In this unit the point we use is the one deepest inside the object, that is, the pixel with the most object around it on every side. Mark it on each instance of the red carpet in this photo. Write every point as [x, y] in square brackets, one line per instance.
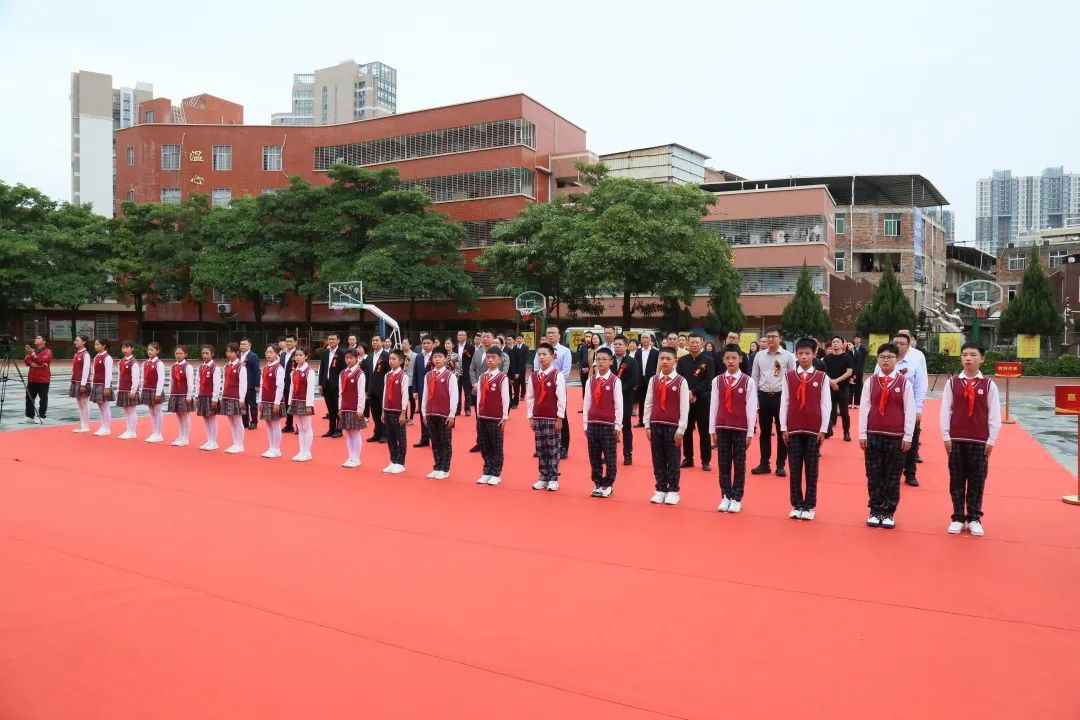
[143, 581]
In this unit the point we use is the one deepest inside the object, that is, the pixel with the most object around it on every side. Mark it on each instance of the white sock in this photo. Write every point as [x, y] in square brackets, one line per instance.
[211, 429]
[303, 427]
[106, 416]
[84, 411]
[184, 421]
[237, 423]
[157, 419]
[132, 418]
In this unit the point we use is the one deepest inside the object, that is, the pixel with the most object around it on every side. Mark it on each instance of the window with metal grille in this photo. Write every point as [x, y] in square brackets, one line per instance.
[170, 196]
[892, 224]
[222, 157]
[131, 195]
[107, 326]
[1057, 258]
[130, 155]
[841, 223]
[779, 279]
[271, 157]
[479, 232]
[219, 297]
[767, 231]
[170, 157]
[1017, 262]
[221, 197]
[502, 133]
[469, 186]
[34, 325]
[841, 261]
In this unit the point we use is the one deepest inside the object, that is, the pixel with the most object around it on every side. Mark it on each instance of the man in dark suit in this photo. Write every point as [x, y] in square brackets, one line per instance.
[286, 357]
[697, 368]
[465, 351]
[379, 361]
[858, 352]
[420, 370]
[629, 376]
[519, 356]
[254, 379]
[583, 358]
[646, 358]
[331, 360]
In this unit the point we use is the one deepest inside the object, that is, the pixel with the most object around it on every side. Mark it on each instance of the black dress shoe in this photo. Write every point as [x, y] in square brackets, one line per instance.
[564, 454]
[918, 459]
[828, 435]
[639, 425]
[252, 426]
[326, 416]
[847, 437]
[913, 482]
[761, 470]
[328, 433]
[628, 460]
[467, 413]
[422, 443]
[536, 455]
[474, 449]
[781, 472]
[373, 438]
[335, 434]
[706, 467]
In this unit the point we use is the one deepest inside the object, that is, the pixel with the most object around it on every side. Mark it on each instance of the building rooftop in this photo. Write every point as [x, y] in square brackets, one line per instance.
[653, 147]
[852, 189]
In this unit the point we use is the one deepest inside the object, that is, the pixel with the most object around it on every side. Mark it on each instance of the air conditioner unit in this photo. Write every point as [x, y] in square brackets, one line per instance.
[224, 308]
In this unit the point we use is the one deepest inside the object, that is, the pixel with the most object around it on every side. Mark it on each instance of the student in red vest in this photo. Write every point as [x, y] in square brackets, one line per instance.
[805, 410]
[667, 407]
[395, 410]
[152, 393]
[128, 377]
[101, 385]
[80, 382]
[492, 407]
[438, 407]
[302, 403]
[271, 391]
[603, 415]
[233, 392]
[183, 389]
[970, 424]
[351, 394]
[545, 407]
[732, 411]
[395, 405]
[209, 391]
[886, 423]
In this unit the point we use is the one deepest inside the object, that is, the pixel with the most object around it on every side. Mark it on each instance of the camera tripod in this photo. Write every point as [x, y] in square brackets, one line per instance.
[6, 363]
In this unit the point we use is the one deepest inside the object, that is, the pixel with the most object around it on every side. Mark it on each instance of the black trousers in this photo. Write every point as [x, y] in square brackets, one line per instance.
[804, 454]
[884, 463]
[665, 457]
[584, 377]
[465, 398]
[698, 419]
[39, 391]
[769, 417]
[396, 439]
[377, 416]
[331, 397]
[285, 401]
[910, 455]
[639, 398]
[602, 455]
[491, 446]
[517, 389]
[840, 407]
[968, 466]
[251, 407]
[564, 436]
[731, 451]
[442, 443]
[628, 426]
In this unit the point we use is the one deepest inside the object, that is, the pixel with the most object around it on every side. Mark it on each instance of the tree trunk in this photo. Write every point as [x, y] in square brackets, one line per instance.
[137, 301]
[258, 309]
[412, 313]
[307, 308]
[627, 306]
[74, 312]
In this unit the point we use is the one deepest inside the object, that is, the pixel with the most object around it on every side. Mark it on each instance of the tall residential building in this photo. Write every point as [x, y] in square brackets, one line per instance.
[341, 93]
[1009, 207]
[98, 109]
[947, 220]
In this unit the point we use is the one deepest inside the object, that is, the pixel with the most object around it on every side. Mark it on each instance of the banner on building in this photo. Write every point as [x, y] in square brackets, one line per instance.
[949, 343]
[530, 339]
[920, 267]
[1027, 346]
[876, 341]
[745, 339]
[60, 329]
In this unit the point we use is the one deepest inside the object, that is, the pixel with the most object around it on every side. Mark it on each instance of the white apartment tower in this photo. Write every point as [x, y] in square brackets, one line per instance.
[341, 93]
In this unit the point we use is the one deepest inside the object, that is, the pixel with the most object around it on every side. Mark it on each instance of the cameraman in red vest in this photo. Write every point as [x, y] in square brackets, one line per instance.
[38, 359]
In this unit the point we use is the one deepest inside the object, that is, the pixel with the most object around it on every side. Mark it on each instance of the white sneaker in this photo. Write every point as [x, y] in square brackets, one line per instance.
[102, 432]
[494, 480]
[873, 521]
[350, 464]
[179, 443]
[432, 475]
[397, 470]
[658, 498]
[975, 528]
[553, 485]
[888, 522]
[267, 454]
[81, 430]
[156, 439]
[442, 475]
[724, 506]
[808, 514]
[29, 421]
[125, 436]
[302, 457]
[540, 485]
[234, 449]
[210, 446]
[389, 468]
[606, 491]
[736, 506]
[672, 498]
[955, 527]
[483, 479]
[795, 514]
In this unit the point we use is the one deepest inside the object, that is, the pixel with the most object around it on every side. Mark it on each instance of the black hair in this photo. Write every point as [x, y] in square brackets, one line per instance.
[349, 352]
[400, 355]
[84, 338]
[694, 335]
[733, 348]
[181, 348]
[620, 336]
[604, 351]
[546, 346]
[128, 343]
[837, 337]
[903, 335]
[438, 350]
[207, 347]
[494, 351]
[888, 347]
[247, 340]
[234, 347]
[973, 346]
[104, 343]
[156, 345]
[807, 343]
[669, 351]
[773, 329]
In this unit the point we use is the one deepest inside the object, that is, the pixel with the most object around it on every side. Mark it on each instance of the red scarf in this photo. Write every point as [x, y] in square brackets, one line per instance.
[543, 387]
[885, 383]
[800, 392]
[431, 385]
[664, 381]
[728, 392]
[597, 390]
[969, 395]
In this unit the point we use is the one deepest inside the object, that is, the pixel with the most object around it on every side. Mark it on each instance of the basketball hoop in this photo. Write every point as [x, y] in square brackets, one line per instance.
[980, 308]
[530, 303]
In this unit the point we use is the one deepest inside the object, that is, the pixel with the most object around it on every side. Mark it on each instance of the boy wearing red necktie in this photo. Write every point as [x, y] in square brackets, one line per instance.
[805, 410]
[665, 414]
[886, 424]
[732, 412]
[545, 406]
[603, 413]
[970, 425]
[438, 405]
[492, 406]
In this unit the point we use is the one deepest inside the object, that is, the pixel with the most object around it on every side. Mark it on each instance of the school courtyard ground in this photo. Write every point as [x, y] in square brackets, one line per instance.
[147, 581]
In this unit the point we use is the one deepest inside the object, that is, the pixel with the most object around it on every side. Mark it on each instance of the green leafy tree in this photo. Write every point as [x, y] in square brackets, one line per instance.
[1033, 312]
[888, 309]
[725, 313]
[24, 212]
[804, 314]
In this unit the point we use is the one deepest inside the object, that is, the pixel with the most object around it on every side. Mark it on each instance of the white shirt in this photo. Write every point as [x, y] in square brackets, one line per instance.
[684, 400]
[84, 378]
[914, 370]
[764, 372]
[993, 399]
[618, 399]
[504, 391]
[825, 404]
[865, 406]
[717, 398]
[560, 391]
[433, 375]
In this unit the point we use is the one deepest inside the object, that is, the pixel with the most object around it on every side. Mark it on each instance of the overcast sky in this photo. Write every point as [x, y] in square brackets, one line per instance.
[951, 90]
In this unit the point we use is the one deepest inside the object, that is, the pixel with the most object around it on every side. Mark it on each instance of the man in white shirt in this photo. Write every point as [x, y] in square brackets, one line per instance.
[771, 365]
[912, 365]
[647, 358]
[917, 356]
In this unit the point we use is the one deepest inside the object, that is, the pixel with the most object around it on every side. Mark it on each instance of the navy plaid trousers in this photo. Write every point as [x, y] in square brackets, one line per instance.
[731, 451]
[602, 455]
[395, 437]
[442, 442]
[968, 466]
[804, 453]
[548, 446]
[490, 439]
[884, 464]
[665, 457]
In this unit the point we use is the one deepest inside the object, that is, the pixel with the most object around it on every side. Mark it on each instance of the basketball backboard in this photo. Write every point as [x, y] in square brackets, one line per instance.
[346, 295]
[980, 294]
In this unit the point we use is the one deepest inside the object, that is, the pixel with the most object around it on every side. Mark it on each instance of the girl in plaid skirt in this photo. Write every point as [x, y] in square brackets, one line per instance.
[101, 385]
[351, 390]
[80, 383]
[183, 390]
[302, 404]
[128, 380]
[270, 408]
[153, 391]
[209, 392]
[233, 390]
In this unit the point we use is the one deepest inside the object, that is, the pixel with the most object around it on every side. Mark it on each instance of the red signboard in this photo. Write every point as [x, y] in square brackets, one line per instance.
[1008, 369]
[1067, 399]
